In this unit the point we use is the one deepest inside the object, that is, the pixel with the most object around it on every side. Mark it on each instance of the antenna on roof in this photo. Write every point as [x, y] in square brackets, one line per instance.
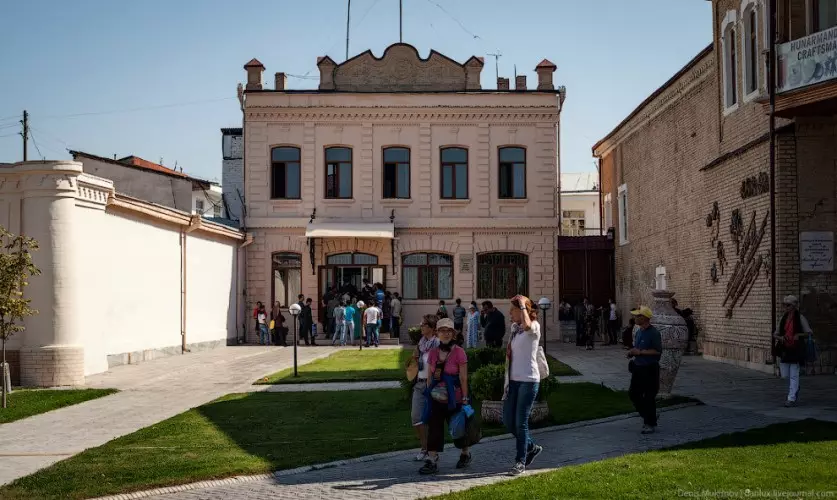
[496, 57]
[161, 160]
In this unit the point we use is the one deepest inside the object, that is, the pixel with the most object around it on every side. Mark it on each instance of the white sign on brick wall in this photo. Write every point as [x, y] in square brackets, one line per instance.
[816, 251]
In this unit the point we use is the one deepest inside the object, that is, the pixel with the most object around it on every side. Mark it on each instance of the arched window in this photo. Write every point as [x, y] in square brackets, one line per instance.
[502, 275]
[454, 174]
[512, 172]
[338, 175]
[287, 277]
[750, 43]
[730, 60]
[397, 173]
[427, 276]
[285, 173]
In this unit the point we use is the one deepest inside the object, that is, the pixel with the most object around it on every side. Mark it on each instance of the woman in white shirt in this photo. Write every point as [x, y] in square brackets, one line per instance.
[523, 379]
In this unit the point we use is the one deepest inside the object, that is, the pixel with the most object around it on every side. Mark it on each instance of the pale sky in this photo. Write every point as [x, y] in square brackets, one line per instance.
[157, 78]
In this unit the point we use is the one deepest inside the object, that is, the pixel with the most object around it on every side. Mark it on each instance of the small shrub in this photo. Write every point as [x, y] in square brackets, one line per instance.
[546, 387]
[415, 334]
[487, 383]
[484, 356]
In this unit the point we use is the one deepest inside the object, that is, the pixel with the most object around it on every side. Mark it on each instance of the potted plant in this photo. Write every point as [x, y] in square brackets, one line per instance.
[487, 385]
[415, 334]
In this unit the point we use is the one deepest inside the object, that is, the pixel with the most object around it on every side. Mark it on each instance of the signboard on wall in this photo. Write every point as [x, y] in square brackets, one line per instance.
[816, 251]
[807, 61]
[466, 264]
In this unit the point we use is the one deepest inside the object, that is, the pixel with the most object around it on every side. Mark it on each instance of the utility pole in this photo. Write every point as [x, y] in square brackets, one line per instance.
[25, 132]
[348, 17]
[496, 57]
[771, 90]
[401, 21]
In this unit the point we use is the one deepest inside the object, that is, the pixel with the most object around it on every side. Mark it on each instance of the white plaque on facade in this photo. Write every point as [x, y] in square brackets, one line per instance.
[816, 251]
[807, 61]
[466, 263]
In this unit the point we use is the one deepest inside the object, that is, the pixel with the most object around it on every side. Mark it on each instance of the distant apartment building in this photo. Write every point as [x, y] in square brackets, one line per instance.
[149, 181]
[580, 206]
[405, 171]
[232, 172]
[687, 184]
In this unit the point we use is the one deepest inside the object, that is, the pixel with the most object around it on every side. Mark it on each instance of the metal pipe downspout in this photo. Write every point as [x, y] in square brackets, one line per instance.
[601, 204]
[241, 276]
[183, 290]
[771, 77]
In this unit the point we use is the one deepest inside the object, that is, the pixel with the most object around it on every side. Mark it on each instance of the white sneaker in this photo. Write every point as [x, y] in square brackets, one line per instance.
[421, 457]
[518, 469]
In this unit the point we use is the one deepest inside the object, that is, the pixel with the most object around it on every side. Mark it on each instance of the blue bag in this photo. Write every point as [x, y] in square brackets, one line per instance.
[812, 351]
[457, 425]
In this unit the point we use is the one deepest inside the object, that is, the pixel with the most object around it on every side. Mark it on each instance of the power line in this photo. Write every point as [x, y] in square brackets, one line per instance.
[457, 21]
[48, 135]
[9, 135]
[131, 110]
[36, 144]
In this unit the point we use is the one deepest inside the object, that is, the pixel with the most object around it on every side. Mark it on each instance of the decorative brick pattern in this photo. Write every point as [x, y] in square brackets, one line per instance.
[52, 366]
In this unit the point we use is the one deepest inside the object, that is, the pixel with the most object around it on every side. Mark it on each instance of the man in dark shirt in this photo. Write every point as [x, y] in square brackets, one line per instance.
[645, 368]
[306, 321]
[493, 323]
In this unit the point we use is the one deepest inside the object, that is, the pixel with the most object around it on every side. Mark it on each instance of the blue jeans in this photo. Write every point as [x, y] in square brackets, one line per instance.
[264, 335]
[339, 333]
[516, 411]
[371, 334]
[349, 332]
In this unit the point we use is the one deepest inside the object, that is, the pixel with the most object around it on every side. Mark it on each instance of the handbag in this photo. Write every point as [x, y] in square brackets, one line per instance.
[272, 324]
[412, 369]
[543, 364]
[812, 350]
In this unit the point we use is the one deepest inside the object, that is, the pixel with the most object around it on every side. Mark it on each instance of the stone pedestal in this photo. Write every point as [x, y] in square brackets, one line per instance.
[675, 337]
[52, 365]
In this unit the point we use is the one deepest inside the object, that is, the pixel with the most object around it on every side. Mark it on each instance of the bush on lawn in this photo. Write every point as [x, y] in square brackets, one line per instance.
[488, 382]
[483, 356]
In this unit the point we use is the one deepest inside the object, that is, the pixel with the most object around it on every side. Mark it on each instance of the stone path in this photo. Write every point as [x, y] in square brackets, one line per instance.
[328, 386]
[150, 392]
[395, 476]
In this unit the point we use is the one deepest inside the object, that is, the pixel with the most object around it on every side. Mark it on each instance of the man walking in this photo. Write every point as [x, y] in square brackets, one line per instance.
[612, 324]
[645, 368]
[493, 323]
[395, 315]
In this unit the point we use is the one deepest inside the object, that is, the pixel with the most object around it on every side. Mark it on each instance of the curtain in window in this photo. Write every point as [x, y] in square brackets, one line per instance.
[409, 287]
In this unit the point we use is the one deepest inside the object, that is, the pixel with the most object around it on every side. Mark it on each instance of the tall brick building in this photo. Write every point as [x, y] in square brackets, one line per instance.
[686, 182]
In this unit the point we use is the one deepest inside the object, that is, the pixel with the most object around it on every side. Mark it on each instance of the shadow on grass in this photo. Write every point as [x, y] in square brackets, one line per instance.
[801, 431]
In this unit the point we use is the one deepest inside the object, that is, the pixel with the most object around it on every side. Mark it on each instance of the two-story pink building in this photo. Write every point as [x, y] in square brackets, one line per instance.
[405, 171]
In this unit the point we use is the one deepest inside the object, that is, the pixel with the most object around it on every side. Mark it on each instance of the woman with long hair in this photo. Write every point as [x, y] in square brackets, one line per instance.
[523, 379]
[426, 343]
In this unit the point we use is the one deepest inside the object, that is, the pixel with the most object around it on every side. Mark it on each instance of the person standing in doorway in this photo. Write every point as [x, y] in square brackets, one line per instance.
[645, 368]
[261, 319]
[459, 314]
[306, 322]
[493, 323]
[395, 315]
[278, 324]
[523, 380]
[790, 337]
[372, 317]
[349, 313]
[612, 324]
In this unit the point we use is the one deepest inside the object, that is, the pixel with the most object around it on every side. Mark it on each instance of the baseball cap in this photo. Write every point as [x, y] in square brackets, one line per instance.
[445, 323]
[643, 311]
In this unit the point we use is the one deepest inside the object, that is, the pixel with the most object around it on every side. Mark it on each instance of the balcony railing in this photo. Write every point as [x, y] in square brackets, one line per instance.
[807, 61]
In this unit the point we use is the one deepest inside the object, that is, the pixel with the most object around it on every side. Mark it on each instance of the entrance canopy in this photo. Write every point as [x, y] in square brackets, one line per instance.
[350, 230]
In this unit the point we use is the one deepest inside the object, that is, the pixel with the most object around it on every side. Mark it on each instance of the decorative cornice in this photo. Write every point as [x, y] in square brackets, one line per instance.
[689, 77]
[473, 117]
[434, 224]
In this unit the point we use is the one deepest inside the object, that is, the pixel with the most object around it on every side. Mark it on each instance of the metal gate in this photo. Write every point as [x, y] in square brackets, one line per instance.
[586, 269]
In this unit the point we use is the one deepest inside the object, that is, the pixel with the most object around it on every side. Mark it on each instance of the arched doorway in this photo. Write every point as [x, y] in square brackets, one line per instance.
[347, 271]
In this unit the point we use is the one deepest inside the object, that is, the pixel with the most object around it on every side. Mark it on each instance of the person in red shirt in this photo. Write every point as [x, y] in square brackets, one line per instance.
[790, 337]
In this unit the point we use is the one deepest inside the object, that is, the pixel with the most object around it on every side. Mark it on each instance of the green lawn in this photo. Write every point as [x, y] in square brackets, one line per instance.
[262, 432]
[347, 365]
[24, 403]
[775, 460]
[560, 369]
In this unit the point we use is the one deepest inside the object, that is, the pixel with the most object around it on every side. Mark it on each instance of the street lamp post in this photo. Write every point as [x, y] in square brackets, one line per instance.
[295, 310]
[544, 305]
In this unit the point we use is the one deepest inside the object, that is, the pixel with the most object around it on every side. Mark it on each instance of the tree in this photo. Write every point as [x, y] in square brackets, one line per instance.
[15, 269]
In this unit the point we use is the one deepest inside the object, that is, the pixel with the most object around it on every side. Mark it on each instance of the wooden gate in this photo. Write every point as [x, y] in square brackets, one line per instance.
[586, 269]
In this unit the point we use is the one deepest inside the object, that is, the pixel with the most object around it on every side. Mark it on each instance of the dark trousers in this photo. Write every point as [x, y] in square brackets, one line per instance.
[396, 327]
[494, 342]
[439, 416]
[645, 383]
[612, 331]
[580, 334]
[305, 332]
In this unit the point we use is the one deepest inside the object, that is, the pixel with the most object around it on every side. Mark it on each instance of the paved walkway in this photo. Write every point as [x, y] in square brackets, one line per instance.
[150, 392]
[716, 384]
[395, 476]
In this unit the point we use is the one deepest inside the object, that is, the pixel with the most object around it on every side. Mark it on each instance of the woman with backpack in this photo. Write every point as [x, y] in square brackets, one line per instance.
[523, 376]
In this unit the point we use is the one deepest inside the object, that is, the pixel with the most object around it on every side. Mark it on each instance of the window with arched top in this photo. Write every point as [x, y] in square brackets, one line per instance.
[730, 60]
[396, 173]
[338, 174]
[512, 172]
[285, 173]
[502, 275]
[427, 276]
[287, 277]
[454, 173]
[750, 45]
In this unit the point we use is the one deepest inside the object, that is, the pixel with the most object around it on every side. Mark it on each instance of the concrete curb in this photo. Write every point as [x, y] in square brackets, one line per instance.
[368, 458]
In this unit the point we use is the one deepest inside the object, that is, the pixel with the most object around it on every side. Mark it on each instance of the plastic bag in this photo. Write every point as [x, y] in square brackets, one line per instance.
[457, 424]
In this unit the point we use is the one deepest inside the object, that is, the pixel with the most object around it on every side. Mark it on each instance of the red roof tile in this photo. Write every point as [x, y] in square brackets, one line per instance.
[254, 63]
[139, 162]
[546, 63]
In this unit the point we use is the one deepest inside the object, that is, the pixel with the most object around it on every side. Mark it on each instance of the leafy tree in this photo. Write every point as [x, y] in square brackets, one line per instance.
[15, 269]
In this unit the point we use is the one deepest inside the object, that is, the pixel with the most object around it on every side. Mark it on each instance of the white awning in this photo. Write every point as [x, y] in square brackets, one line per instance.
[350, 230]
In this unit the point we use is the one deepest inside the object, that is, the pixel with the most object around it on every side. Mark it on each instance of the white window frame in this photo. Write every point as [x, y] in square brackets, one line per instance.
[730, 22]
[622, 198]
[746, 7]
[199, 206]
[608, 211]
